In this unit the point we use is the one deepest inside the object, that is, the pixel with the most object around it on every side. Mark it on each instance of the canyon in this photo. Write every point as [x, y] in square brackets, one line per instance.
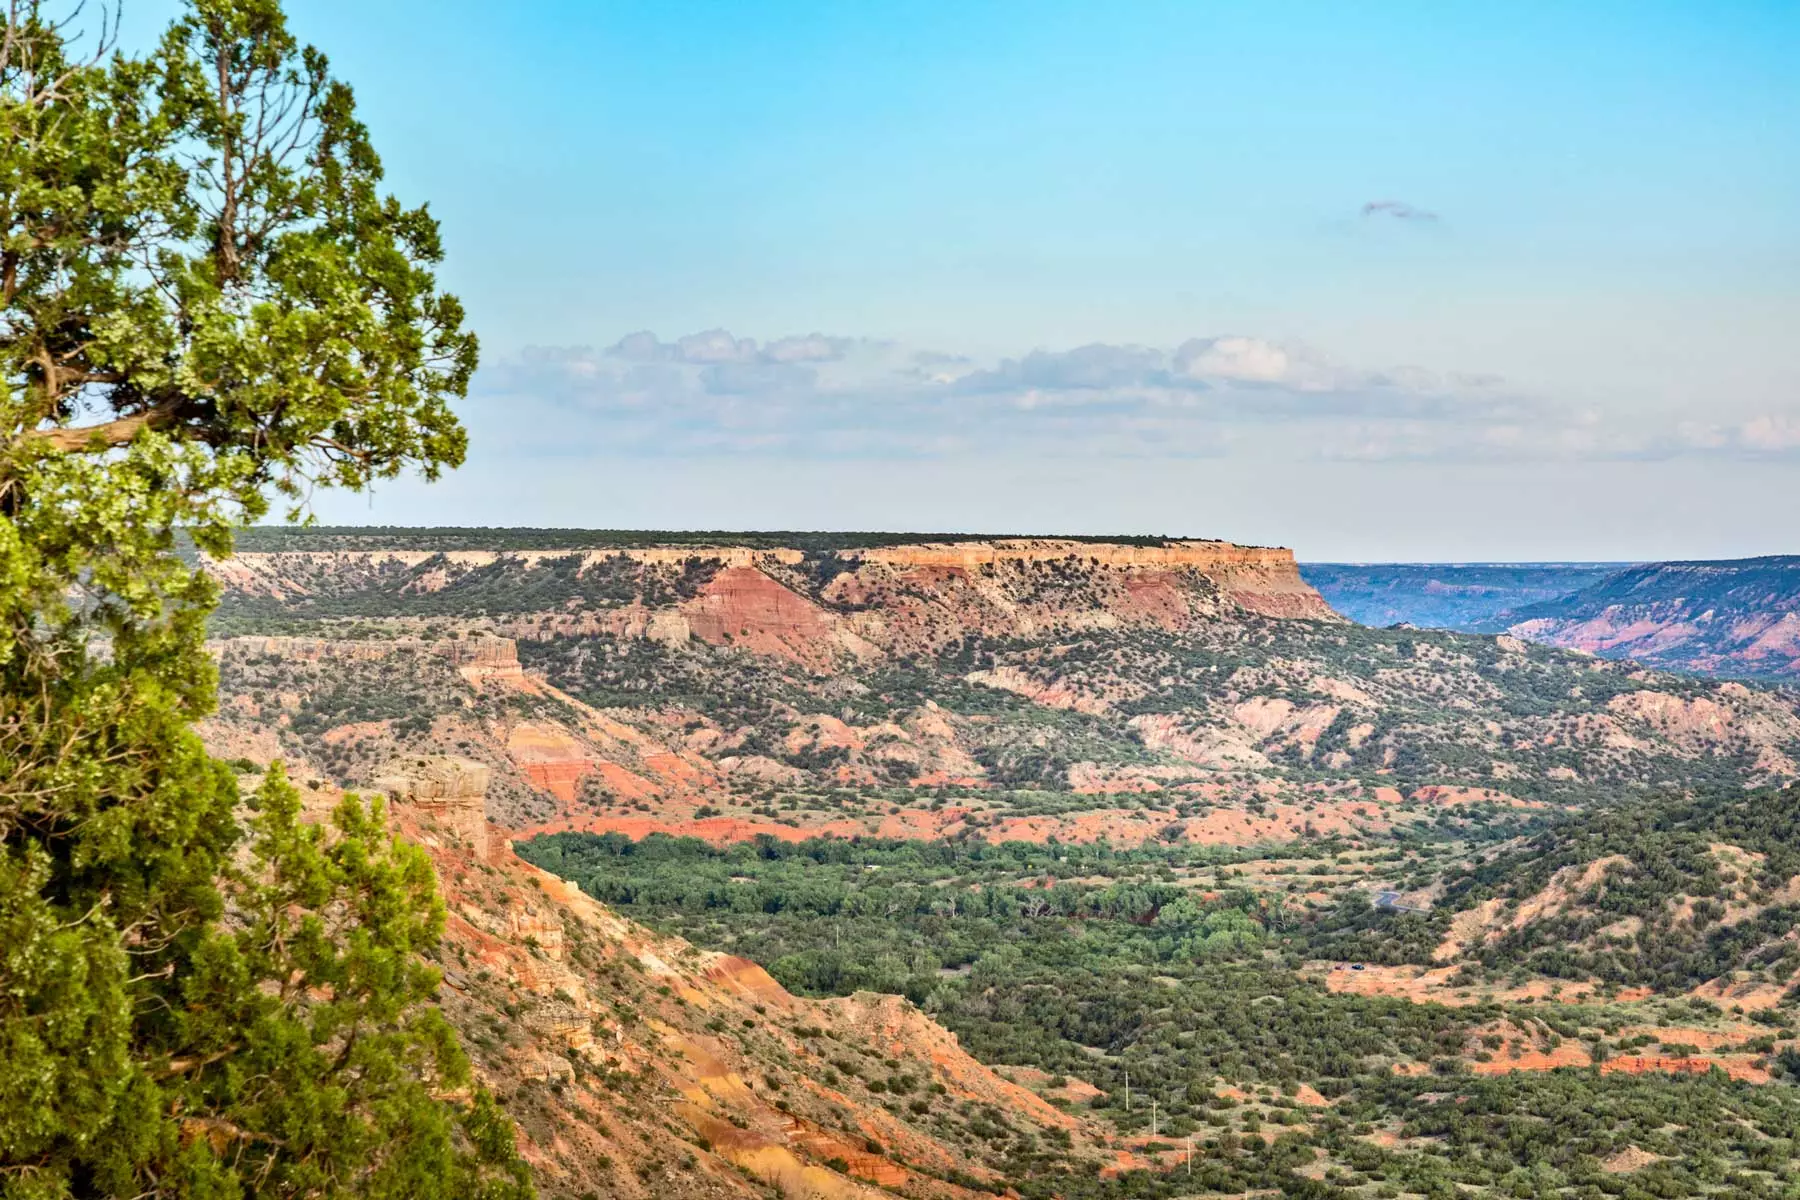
[1193, 703]
[1192, 689]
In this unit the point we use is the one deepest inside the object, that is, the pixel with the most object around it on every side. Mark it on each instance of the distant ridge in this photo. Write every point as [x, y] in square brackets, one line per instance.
[1459, 596]
[1736, 617]
[1733, 618]
[275, 539]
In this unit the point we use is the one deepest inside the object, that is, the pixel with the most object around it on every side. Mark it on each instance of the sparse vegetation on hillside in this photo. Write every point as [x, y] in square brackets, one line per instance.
[1668, 895]
[278, 539]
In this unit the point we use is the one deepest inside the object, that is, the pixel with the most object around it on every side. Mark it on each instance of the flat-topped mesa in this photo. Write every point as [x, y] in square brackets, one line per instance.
[481, 658]
[1261, 579]
[451, 791]
[252, 571]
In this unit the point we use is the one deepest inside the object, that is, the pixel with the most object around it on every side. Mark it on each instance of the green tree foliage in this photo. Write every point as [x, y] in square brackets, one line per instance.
[1080, 961]
[1666, 878]
[205, 300]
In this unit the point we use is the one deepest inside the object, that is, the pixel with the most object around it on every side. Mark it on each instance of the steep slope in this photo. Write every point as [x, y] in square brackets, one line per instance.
[638, 1066]
[1734, 618]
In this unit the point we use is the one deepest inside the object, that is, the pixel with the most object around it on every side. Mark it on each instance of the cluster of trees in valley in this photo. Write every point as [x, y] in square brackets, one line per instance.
[1101, 963]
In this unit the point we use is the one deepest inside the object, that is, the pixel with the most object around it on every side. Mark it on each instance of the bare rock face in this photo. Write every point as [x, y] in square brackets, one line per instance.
[744, 607]
[481, 659]
[449, 791]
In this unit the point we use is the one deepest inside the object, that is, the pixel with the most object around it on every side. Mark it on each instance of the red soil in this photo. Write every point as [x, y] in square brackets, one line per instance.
[741, 606]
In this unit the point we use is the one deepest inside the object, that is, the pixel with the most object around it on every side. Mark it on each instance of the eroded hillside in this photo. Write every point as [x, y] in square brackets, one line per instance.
[1133, 820]
[1192, 691]
[1736, 618]
[638, 1066]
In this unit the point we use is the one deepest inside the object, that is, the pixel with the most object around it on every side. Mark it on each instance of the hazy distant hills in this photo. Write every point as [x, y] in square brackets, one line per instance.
[1739, 617]
[1462, 596]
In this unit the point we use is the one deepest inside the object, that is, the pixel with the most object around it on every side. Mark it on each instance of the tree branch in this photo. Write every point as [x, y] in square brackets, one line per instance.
[106, 435]
[181, 1066]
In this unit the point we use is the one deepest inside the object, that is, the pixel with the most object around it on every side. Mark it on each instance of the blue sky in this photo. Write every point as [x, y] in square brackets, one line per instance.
[1095, 268]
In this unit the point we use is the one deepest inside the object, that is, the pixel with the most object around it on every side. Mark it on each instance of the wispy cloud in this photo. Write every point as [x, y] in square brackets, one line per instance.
[713, 346]
[818, 395]
[1398, 210]
[1768, 435]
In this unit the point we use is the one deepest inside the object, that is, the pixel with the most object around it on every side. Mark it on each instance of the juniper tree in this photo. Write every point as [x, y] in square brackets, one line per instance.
[207, 305]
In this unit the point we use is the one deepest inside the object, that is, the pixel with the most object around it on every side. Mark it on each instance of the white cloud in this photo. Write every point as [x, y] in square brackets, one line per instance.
[712, 346]
[813, 347]
[816, 395]
[1234, 359]
[1092, 368]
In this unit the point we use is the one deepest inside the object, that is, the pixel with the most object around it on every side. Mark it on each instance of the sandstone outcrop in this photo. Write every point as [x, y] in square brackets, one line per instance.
[742, 606]
[550, 758]
[450, 792]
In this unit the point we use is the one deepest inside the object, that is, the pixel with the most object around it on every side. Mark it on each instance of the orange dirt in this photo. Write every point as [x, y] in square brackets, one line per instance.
[550, 758]
[1629, 1159]
[1738, 1066]
[1569, 1054]
[1439, 794]
[1751, 997]
[1432, 985]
